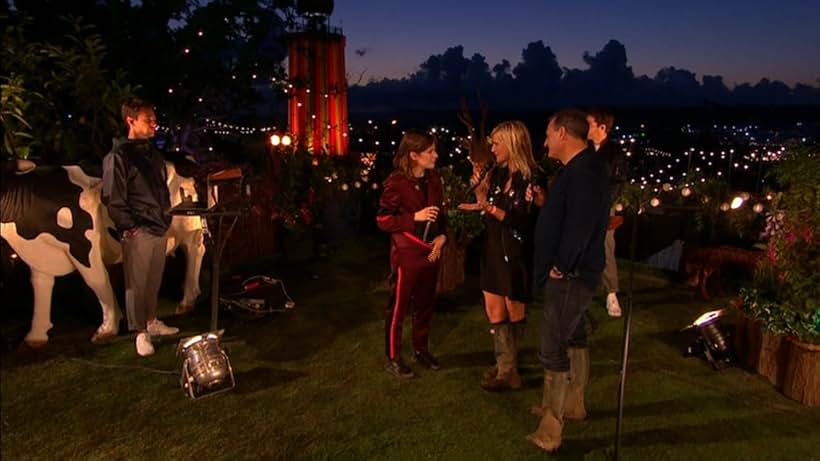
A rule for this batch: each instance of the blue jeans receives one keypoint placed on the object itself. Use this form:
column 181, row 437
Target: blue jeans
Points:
column 565, row 301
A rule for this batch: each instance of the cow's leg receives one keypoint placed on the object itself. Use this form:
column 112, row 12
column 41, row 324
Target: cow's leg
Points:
column 43, row 284
column 97, row 279
column 194, row 249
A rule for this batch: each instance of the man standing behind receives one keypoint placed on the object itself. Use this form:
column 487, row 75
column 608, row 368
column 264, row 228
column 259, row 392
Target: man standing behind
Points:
column 569, row 258
column 601, row 122
column 137, row 197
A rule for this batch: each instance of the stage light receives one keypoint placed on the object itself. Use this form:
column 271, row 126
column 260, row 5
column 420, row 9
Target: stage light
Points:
column 206, row 369
column 712, row 342
column 275, row 140
column 286, row 140
column 737, row 202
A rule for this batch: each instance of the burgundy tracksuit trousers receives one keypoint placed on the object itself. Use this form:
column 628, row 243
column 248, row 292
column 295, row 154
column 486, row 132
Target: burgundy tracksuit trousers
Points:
column 412, row 277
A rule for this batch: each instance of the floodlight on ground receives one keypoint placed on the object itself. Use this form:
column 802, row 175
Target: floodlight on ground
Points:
column 713, row 342
column 275, row 140
column 206, row 369
column 286, row 140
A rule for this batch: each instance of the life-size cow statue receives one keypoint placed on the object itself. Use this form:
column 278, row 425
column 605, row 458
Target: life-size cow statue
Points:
column 54, row 220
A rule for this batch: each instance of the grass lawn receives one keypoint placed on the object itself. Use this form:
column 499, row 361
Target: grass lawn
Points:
column 311, row 385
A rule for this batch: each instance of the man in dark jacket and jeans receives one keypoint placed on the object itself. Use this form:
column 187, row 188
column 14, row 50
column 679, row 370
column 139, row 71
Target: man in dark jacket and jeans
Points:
column 569, row 259
column 137, row 197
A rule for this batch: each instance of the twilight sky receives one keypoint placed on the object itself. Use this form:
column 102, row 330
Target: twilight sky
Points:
column 743, row 41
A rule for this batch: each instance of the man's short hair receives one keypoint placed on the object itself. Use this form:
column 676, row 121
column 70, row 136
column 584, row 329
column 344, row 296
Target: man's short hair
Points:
column 133, row 106
column 603, row 117
column 573, row 120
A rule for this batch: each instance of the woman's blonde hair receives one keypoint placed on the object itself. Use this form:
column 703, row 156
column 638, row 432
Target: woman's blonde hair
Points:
column 516, row 139
column 413, row 141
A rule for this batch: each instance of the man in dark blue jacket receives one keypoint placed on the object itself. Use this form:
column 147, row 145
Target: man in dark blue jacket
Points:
column 569, row 259
column 137, row 197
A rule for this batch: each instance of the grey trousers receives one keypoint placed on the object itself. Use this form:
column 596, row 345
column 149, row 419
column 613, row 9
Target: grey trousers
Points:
column 610, row 276
column 143, row 264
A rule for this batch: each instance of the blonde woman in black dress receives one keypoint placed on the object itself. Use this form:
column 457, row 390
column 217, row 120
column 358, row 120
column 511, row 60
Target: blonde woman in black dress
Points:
column 502, row 197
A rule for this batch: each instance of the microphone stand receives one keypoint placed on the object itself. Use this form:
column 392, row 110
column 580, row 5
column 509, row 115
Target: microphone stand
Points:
column 627, row 333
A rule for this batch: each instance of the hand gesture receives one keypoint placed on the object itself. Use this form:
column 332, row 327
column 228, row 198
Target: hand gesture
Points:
column 426, row 214
column 438, row 243
column 483, row 186
column 469, row 207
column 536, row 195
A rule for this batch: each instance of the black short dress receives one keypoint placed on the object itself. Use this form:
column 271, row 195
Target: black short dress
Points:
column 506, row 261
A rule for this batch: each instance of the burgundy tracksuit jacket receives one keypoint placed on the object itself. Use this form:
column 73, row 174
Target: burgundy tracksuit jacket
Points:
column 412, row 277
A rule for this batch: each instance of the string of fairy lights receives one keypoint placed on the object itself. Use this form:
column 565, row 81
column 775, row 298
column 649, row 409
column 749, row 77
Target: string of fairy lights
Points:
column 661, row 172
column 668, row 170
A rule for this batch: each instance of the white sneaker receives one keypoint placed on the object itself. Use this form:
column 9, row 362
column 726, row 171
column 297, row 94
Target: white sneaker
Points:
column 158, row 328
column 613, row 307
column 144, row 346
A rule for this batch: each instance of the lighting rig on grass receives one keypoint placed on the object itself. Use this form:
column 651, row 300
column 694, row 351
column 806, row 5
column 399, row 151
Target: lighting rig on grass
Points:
column 206, row 369
column 713, row 342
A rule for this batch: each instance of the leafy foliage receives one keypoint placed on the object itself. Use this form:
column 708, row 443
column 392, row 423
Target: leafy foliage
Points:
column 786, row 292
column 17, row 138
column 461, row 226
column 74, row 112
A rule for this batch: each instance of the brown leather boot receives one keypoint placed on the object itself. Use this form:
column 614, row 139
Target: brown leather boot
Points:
column 548, row 435
column 507, row 376
column 574, row 409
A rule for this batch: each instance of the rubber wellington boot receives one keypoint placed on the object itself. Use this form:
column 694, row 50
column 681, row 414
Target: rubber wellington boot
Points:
column 548, row 435
column 518, row 328
column 574, row 408
column 507, row 376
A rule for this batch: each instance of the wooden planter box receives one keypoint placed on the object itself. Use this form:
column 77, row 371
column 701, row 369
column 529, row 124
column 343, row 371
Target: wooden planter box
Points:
column 748, row 339
column 774, row 354
column 802, row 375
column 790, row 365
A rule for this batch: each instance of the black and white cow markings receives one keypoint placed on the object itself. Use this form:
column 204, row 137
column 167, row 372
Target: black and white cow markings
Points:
column 29, row 201
column 54, row 220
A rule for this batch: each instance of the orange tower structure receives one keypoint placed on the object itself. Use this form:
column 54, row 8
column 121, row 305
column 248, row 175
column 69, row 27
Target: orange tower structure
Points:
column 317, row 111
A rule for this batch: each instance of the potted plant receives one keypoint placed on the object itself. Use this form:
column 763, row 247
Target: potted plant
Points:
column 785, row 296
column 461, row 229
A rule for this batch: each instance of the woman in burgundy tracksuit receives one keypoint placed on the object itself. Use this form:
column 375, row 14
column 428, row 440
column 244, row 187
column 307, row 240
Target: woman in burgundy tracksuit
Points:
column 410, row 209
